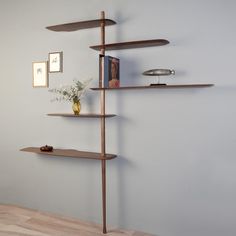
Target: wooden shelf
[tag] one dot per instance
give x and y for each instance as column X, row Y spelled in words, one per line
column 132, row 44
column 158, row 87
column 82, row 115
column 80, row 25
column 70, row 153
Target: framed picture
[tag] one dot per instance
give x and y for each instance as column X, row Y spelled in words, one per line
column 55, row 61
column 40, row 74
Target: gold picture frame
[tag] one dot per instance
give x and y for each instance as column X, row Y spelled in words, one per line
column 55, row 60
column 40, row 74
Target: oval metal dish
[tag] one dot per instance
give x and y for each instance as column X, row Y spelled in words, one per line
column 159, row 72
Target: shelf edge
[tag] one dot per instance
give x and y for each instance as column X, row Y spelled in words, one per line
column 158, row 87
column 82, row 115
column 80, row 25
column 132, row 44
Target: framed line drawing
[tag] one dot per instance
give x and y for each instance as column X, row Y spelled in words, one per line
column 40, row 74
column 55, row 62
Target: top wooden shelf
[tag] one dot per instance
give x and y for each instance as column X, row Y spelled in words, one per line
column 132, row 44
column 80, row 25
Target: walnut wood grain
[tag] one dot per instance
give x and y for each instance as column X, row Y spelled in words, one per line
column 71, row 153
column 158, row 87
column 132, row 44
column 79, row 25
column 103, row 130
column 82, row 115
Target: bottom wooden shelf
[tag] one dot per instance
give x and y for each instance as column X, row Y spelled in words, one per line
column 70, row 153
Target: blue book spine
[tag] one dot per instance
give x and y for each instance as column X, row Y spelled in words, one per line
column 106, row 72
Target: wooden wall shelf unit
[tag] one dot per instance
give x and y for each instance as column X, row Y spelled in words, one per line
column 102, row 155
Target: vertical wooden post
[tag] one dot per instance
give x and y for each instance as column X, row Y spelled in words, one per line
column 103, row 140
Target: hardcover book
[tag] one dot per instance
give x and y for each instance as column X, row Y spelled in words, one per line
column 110, row 69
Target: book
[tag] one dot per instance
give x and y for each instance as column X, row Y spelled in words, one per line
column 110, row 71
column 101, row 71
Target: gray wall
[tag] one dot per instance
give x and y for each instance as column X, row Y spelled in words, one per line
column 175, row 174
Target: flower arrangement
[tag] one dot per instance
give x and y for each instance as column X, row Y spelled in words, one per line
column 72, row 93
